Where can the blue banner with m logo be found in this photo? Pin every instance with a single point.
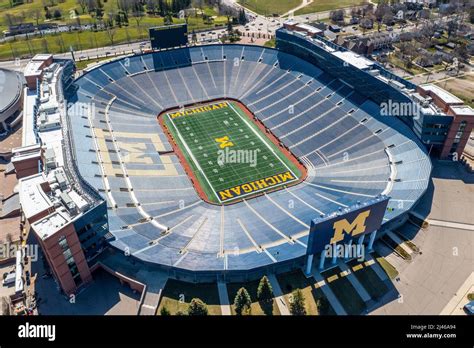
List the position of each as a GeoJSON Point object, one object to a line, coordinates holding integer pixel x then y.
{"type": "Point", "coordinates": [352, 223]}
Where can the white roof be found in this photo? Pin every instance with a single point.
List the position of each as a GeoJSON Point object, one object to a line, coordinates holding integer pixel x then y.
{"type": "Point", "coordinates": [444, 95]}
{"type": "Point", "coordinates": [463, 110]}
{"type": "Point", "coordinates": [50, 224]}
{"type": "Point", "coordinates": [34, 66]}
{"type": "Point", "coordinates": [354, 59]}
{"type": "Point", "coordinates": [309, 28]}
{"type": "Point", "coordinates": [32, 198]}
{"type": "Point", "coordinates": [42, 57]}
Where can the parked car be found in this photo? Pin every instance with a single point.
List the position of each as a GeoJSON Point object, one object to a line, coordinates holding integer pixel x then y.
{"type": "Point", "coordinates": [469, 308]}
{"type": "Point", "coordinates": [27, 276]}
{"type": "Point", "coordinates": [9, 280]}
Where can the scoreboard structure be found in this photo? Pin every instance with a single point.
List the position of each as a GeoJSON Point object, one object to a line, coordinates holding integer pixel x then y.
{"type": "Point", "coordinates": [167, 36]}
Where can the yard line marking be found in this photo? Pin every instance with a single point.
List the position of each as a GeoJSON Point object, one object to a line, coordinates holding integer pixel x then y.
{"type": "Point", "coordinates": [193, 158]}
{"type": "Point", "coordinates": [261, 139]}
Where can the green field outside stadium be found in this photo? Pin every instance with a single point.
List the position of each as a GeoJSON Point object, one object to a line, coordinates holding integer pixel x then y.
{"type": "Point", "coordinates": [229, 155]}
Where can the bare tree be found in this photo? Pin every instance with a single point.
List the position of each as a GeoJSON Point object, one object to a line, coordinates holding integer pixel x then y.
{"type": "Point", "coordinates": [137, 11]}
{"type": "Point", "coordinates": [6, 309]}
{"type": "Point", "coordinates": [83, 4]}
{"type": "Point", "coordinates": [111, 31]}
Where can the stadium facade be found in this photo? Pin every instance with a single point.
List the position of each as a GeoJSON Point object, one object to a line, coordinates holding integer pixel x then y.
{"type": "Point", "coordinates": [11, 99]}
{"type": "Point", "coordinates": [117, 185]}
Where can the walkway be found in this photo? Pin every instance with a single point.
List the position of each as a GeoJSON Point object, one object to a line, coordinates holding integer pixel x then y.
{"type": "Point", "coordinates": [279, 297]}
{"type": "Point", "coordinates": [456, 304]}
{"type": "Point", "coordinates": [293, 10]}
{"type": "Point", "coordinates": [336, 305]}
{"type": "Point", "coordinates": [223, 298]}
{"type": "Point", "coordinates": [450, 224]}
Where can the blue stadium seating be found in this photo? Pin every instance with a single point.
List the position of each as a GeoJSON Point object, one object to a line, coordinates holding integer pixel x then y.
{"type": "Point", "coordinates": [339, 135]}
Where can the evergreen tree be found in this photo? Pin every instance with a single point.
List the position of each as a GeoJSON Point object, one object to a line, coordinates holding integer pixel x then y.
{"type": "Point", "coordinates": [242, 302]}
{"type": "Point", "coordinates": [162, 7]}
{"type": "Point", "coordinates": [264, 291]}
{"type": "Point", "coordinates": [297, 304]}
{"type": "Point", "coordinates": [197, 307]}
{"type": "Point", "coordinates": [230, 28]}
{"type": "Point", "coordinates": [165, 311]}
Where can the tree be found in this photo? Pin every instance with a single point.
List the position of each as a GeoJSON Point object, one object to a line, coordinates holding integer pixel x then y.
{"type": "Point", "coordinates": [111, 31]}
{"type": "Point", "coordinates": [230, 27]}
{"type": "Point", "coordinates": [242, 17]}
{"type": "Point", "coordinates": [164, 311]}
{"type": "Point", "coordinates": [461, 52]}
{"type": "Point", "coordinates": [138, 12]}
{"type": "Point", "coordinates": [197, 307]}
{"type": "Point", "coordinates": [57, 14]}
{"type": "Point", "coordinates": [297, 303]}
{"type": "Point", "coordinates": [242, 302]}
{"type": "Point", "coordinates": [82, 4]}
{"type": "Point", "coordinates": [264, 291]}
{"type": "Point", "coordinates": [337, 16]}
{"type": "Point", "coordinates": [5, 307]}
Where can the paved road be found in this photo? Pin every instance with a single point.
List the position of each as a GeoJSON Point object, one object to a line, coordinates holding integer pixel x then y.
{"type": "Point", "coordinates": [429, 282]}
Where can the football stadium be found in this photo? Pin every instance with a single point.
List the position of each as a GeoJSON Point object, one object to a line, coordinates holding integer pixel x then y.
{"type": "Point", "coordinates": [214, 160]}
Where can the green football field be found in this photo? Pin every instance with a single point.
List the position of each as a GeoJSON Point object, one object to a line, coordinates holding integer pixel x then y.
{"type": "Point", "coordinates": [228, 154]}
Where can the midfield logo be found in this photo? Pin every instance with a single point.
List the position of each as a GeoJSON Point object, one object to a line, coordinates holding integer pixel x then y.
{"type": "Point", "coordinates": [224, 142]}
{"type": "Point", "coordinates": [343, 226]}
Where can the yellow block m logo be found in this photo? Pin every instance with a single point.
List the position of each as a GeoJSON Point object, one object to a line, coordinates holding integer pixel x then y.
{"type": "Point", "coordinates": [224, 142]}
{"type": "Point", "coordinates": [343, 226]}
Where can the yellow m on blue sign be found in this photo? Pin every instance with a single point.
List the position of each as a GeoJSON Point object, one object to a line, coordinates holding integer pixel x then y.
{"type": "Point", "coordinates": [358, 220]}
{"type": "Point", "coordinates": [343, 226]}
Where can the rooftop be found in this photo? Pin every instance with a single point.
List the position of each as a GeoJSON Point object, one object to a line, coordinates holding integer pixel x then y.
{"type": "Point", "coordinates": [35, 66]}
{"type": "Point", "coordinates": [50, 225]}
{"type": "Point", "coordinates": [32, 197]}
{"type": "Point", "coordinates": [354, 59]}
{"type": "Point", "coordinates": [463, 110]}
{"type": "Point", "coordinates": [445, 96]}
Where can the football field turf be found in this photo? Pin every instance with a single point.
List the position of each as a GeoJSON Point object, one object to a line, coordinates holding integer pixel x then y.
{"type": "Point", "coordinates": [228, 154]}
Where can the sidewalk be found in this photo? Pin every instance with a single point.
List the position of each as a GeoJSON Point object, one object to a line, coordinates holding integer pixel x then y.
{"type": "Point", "coordinates": [328, 293]}
{"type": "Point", "coordinates": [223, 298]}
{"type": "Point", "coordinates": [279, 297]}
{"type": "Point", "coordinates": [456, 304]}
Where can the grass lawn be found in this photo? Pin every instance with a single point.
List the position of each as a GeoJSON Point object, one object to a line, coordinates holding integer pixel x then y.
{"type": "Point", "coordinates": [177, 295]}
{"type": "Point", "coordinates": [296, 280]}
{"type": "Point", "coordinates": [58, 43]}
{"type": "Point", "coordinates": [257, 308]}
{"type": "Point", "coordinates": [391, 271]}
{"type": "Point", "coordinates": [461, 87]}
{"type": "Point", "coordinates": [344, 291]}
{"type": "Point", "coordinates": [369, 279]}
{"type": "Point", "coordinates": [266, 7]}
{"type": "Point", "coordinates": [84, 63]}
{"type": "Point", "coordinates": [270, 43]}
{"type": "Point", "coordinates": [326, 5]}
